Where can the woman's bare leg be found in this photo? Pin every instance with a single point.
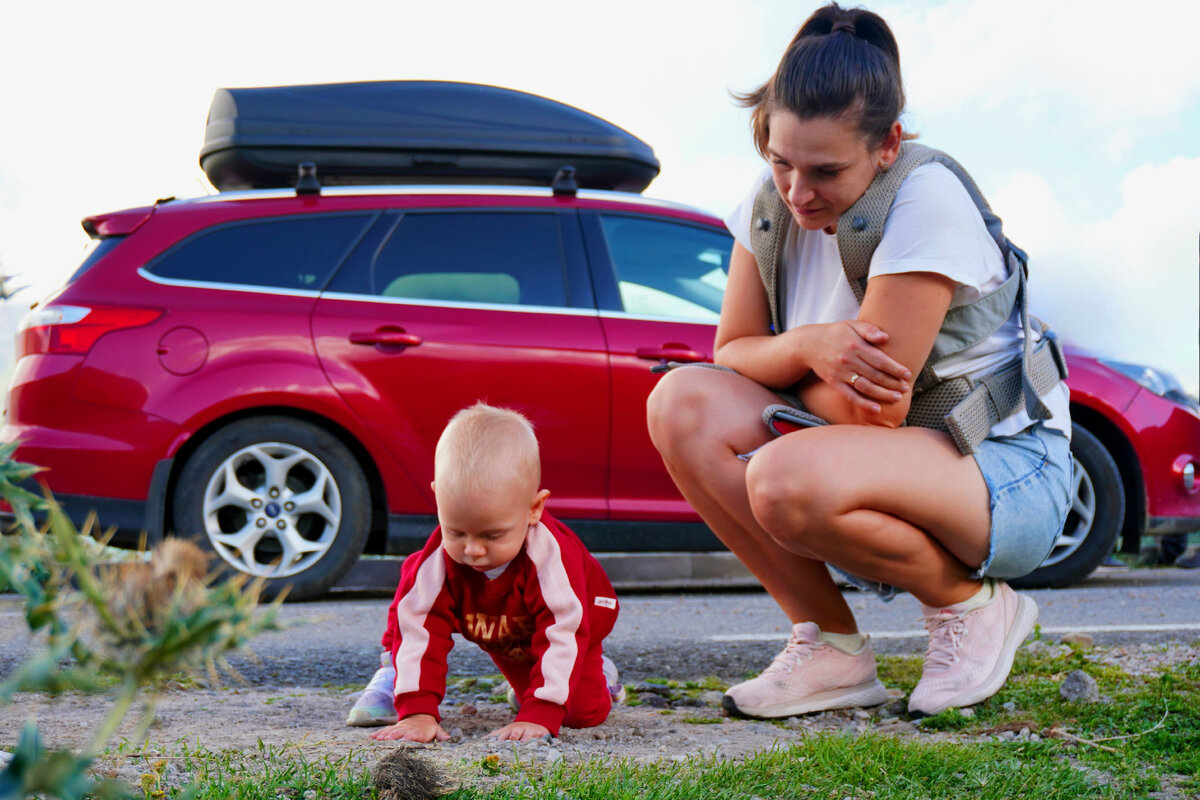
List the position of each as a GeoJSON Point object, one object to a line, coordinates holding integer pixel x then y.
{"type": "Point", "coordinates": [901, 506]}
{"type": "Point", "coordinates": [700, 420]}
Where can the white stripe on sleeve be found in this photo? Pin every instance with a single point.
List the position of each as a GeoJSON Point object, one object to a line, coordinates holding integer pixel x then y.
{"type": "Point", "coordinates": [559, 659]}
{"type": "Point", "coordinates": [411, 614]}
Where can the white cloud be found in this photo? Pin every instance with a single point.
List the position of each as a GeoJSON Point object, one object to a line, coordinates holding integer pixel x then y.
{"type": "Point", "coordinates": [1127, 286]}
{"type": "Point", "coordinates": [1112, 75]}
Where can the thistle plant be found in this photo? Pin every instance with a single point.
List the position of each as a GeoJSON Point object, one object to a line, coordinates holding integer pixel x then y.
{"type": "Point", "coordinates": [131, 623]}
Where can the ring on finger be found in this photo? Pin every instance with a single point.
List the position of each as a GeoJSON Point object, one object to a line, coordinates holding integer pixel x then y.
{"type": "Point", "coordinates": [854, 376]}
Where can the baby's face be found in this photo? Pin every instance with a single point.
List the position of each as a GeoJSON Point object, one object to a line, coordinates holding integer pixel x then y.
{"type": "Point", "coordinates": [485, 531]}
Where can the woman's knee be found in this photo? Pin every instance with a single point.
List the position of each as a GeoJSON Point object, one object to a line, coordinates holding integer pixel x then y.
{"type": "Point", "coordinates": [785, 493]}
{"type": "Point", "coordinates": [682, 406]}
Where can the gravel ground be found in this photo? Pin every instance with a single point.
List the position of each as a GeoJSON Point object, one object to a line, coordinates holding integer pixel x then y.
{"type": "Point", "coordinates": [664, 726]}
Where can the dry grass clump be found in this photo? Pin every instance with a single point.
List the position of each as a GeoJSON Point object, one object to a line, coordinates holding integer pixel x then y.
{"type": "Point", "coordinates": [404, 775]}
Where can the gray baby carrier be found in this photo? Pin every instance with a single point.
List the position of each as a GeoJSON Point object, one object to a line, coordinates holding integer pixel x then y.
{"type": "Point", "coordinates": [963, 407]}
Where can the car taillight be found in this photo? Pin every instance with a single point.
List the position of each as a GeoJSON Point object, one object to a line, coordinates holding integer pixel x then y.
{"type": "Point", "coordinates": [74, 329]}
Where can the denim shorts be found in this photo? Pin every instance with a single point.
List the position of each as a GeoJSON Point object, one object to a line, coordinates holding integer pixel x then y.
{"type": "Point", "coordinates": [1029, 483]}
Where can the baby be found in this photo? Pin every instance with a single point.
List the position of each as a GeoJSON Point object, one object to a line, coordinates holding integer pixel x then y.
{"type": "Point", "coordinates": [504, 574]}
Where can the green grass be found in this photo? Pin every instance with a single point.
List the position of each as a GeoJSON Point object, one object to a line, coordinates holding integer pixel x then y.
{"type": "Point", "coordinates": [881, 768]}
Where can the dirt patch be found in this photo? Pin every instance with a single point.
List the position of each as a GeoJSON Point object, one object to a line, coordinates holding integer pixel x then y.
{"type": "Point", "coordinates": [310, 721]}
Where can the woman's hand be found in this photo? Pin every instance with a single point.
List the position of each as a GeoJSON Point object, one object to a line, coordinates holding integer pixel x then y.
{"type": "Point", "coordinates": [847, 356]}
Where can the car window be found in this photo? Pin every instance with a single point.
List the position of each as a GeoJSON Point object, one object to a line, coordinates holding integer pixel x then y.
{"type": "Point", "coordinates": [97, 249]}
{"type": "Point", "coordinates": [297, 252]}
{"type": "Point", "coordinates": [472, 257]}
{"type": "Point", "coordinates": [668, 269]}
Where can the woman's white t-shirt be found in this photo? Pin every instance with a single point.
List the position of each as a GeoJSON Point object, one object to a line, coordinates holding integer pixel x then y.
{"type": "Point", "coordinates": [933, 226]}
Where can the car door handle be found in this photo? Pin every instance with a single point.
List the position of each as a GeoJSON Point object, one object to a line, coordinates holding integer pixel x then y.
{"type": "Point", "coordinates": [672, 352]}
{"type": "Point", "coordinates": [387, 336]}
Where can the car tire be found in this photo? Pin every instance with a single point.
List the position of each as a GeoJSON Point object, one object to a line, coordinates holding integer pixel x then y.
{"type": "Point", "coordinates": [279, 498]}
{"type": "Point", "coordinates": [1093, 523]}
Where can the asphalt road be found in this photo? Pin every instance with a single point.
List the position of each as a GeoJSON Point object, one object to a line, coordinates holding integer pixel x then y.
{"type": "Point", "coordinates": [676, 635]}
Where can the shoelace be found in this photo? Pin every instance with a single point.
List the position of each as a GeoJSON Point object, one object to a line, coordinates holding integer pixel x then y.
{"type": "Point", "coordinates": [790, 656]}
{"type": "Point", "coordinates": [946, 630]}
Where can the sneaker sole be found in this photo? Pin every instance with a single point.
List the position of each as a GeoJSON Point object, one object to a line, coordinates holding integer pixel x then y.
{"type": "Point", "coordinates": [365, 720]}
{"type": "Point", "coordinates": [862, 696]}
{"type": "Point", "coordinates": [1023, 622]}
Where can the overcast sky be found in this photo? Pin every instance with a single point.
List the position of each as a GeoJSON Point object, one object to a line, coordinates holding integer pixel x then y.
{"type": "Point", "coordinates": [1081, 126]}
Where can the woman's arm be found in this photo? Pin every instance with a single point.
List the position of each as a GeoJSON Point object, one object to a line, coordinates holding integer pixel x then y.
{"type": "Point", "coordinates": [744, 341]}
{"type": "Point", "coordinates": [830, 353]}
{"type": "Point", "coordinates": [911, 307]}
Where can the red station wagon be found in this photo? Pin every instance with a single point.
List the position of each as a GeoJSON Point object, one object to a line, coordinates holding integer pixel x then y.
{"type": "Point", "coordinates": [267, 370]}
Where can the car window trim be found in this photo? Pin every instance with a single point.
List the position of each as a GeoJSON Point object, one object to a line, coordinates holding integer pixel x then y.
{"type": "Point", "coordinates": [354, 297]}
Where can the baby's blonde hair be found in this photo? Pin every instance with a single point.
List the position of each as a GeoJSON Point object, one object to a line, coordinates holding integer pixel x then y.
{"type": "Point", "coordinates": [487, 449]}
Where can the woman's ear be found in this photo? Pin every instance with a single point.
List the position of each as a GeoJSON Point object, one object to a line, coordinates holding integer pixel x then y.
{"type": "Point", "coordinates": [889, 151]}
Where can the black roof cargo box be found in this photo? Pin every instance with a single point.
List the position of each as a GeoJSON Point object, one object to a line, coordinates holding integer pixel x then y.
{"type": "Point", "coordinates": [389, 132]}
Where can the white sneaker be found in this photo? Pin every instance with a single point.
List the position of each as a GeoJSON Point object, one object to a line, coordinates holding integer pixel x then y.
{"type": "Point", "coordinates": [376, 705]}
{"type": "Point", "coordinates": [808, 675]}
{"type": "Point", "coordinates": [971, 650]}
{"type": "Point", "coordinates": [613, 678]}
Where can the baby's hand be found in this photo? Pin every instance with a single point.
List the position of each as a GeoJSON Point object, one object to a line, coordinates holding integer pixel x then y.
{"type": "Point", "coordinates": [520, 732]}
{"type": "Point", "coordinates": [417, 728]}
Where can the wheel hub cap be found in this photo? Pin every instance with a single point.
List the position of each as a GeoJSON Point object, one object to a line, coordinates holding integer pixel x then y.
{"type": "Point", "coordinates": [280, 482]}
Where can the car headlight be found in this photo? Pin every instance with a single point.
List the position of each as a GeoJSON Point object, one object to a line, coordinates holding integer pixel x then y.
{"type": "Point", "coordinates": [1161, 382]}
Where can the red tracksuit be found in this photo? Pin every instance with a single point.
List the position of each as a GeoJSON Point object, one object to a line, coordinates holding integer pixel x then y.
{"type": "Point", "coordinates": [542, 621]}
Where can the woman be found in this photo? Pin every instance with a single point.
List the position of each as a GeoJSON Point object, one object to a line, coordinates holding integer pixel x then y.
{"type": "Point", "coordinates": [889, 504]}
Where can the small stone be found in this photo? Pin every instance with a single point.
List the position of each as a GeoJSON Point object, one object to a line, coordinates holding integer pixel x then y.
{"type": "Point", "coordinates": [1081, 640]}
{"type": "Point", "coordinates": [896, 727]}
{"type": "Point", "coordinates": [712, 698]}
{"type": "Point", "coordinates": [1010, 706]}
{"type": "Point", "coordinates": [1033, 737]}
{"type": "Point", "coordinates": [652, 700]}
{"type": "Point", "coordinates": [1037, 648]}
{"type": "Point", "coordinates": [469, 710]}
{"type": "Point", "coordinates": [860, 714]}
{"type": "Point", "coordinates": [1024, 734]}
{"type": "Point", "coordinates": [1079, 687]}
{"type": "Point", "coordinates": [966, 712]}
{"type": "Point", "coordinates": [551, 755]}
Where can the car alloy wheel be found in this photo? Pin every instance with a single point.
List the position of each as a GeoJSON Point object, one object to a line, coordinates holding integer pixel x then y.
{"type": "Point", "coordinates": [277, 498]}
{"type": "Point", "coordinates": [272, 509]}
